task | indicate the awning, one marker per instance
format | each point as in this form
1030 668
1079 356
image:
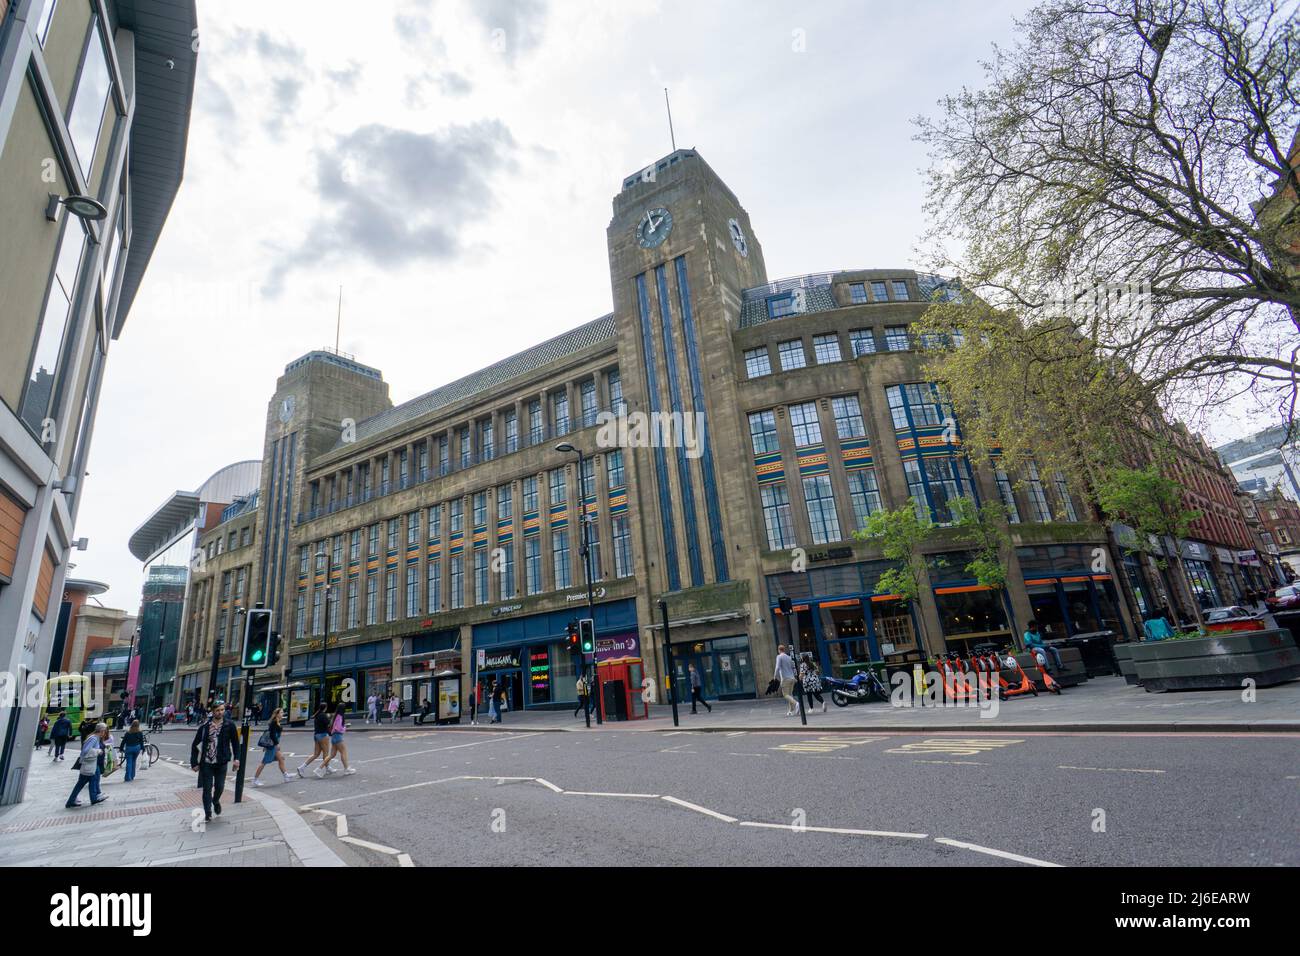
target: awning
294 686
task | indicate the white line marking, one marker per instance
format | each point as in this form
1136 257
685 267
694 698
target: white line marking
842 830
596 793
699 809
404 859
419 753
1111 769
733 754
735 733
376 793
377 847
548 785
340 826
991 852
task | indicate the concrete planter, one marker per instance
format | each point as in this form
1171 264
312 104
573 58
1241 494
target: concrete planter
1124 657
1218 661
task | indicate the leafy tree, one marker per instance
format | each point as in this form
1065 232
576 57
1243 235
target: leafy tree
984 528
900 534
1107 177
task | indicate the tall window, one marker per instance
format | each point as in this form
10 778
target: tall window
900 291
878 292
92 97
896 338
942 477
560 412
49 349
558 491
385 472
300 619
533 564
758 362
560 559
530 495
1034 491
374 540
403 470
390 596
588 395
826 348
480 509
622 547
413 528
507 571
487 440
466 447
587 478
792 355
505 502
435 521
316 609
372 598
393 527
512 432
412 590
862 341
1007 494
434 579
848 417
614 474
865 495
923 400
807 429
535 431
458 581
821 509
457 515
776 516
444 455
762 432
354 612
422 460
354 547
480 576
1063 492
616 403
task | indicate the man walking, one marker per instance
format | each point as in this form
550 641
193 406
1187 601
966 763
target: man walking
215 746
59 735
785 675
372 709
582 696
696 686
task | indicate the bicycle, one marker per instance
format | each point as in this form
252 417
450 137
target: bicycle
149 755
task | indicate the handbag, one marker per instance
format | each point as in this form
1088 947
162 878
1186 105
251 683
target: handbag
772 687
265 741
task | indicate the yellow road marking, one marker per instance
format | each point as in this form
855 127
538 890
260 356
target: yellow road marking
957 746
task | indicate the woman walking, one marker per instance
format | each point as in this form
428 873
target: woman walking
92 766
394 708
338 727
132 744
59 735
320 735
811 678
270 744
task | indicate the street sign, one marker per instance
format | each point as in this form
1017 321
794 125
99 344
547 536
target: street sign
482 656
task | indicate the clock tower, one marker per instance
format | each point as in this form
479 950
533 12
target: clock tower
681 250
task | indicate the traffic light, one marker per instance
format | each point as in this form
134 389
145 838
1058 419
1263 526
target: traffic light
587 635
257 640
273 654
573 637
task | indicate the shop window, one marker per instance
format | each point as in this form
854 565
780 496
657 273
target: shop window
971 613
1047 610
895 633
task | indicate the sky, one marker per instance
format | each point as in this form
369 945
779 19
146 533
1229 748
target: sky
451 165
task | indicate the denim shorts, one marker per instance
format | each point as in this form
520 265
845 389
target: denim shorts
336 739
319 737
268 755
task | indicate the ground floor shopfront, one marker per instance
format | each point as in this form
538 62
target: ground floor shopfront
529 656
352 673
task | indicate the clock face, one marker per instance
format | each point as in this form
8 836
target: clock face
738 237
286 408
654 227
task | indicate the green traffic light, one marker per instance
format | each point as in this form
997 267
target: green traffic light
258 655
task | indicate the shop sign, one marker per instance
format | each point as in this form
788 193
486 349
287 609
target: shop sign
1196 551
497 660
505 609
1224 556
1248 557
624 645
830 554
597 594
481 655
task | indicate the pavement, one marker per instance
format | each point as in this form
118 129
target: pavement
155 820
1103 703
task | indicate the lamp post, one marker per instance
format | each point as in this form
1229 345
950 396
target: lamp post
594 681
325 622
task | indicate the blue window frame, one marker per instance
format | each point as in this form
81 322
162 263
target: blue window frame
900 291
758 362
862 342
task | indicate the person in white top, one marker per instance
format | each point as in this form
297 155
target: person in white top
785 674
372 708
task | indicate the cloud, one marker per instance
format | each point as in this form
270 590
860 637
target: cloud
515 26
285 92
346 79
394 196
449 83
268 47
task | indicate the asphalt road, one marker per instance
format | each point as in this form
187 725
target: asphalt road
763 799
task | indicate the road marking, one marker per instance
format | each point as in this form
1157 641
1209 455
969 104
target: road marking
736 733
594 793
841 830
699 809
404 859
731 753
972 763
376 793
992 852
825 744
957 746
548 785
377 847
418 753
1110 769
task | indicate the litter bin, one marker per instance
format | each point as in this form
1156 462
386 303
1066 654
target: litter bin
1097 650
613 700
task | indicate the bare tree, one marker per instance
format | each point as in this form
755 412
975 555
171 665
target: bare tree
1110 172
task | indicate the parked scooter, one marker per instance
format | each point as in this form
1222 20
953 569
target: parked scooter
864 686
1050 682
1014 688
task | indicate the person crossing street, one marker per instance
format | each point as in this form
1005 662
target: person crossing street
214 749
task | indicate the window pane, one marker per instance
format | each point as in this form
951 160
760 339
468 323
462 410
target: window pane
88 102
54 324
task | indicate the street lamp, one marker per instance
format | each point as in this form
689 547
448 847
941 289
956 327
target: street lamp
594 681
325 622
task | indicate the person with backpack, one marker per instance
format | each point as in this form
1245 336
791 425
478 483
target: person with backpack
320 735
90 767
59 735
270 744
811 678
215 747
338 727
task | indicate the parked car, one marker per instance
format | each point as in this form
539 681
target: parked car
1284 599
1233 618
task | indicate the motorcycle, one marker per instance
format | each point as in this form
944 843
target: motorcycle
864 686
